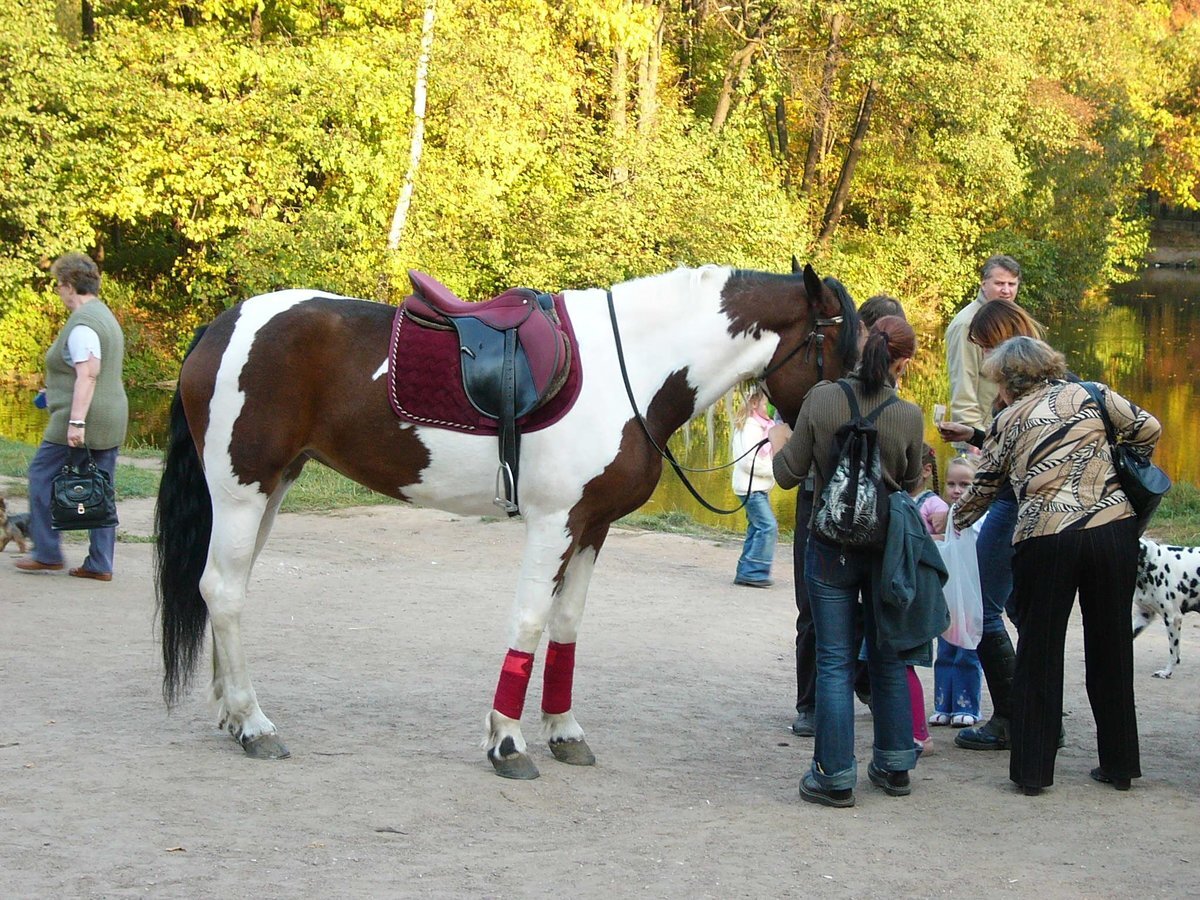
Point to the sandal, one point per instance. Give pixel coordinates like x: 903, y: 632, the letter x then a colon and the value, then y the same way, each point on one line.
x: 939, y: 718
x: 964, y: 720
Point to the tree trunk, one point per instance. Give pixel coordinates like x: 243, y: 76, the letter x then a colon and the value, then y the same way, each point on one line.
x: 256, y: 24
x: 617, y: 115
x: 648, y: 73
x: 418, y: 130
x: 87, y: 20
x: 739, y: 65
x: 769, y: 124
x: 816, y: 144
x: 836, y: 203
x: 781, y: 129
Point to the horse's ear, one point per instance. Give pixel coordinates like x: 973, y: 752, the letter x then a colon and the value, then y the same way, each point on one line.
x: 795, y: 265
x: 819, y: 298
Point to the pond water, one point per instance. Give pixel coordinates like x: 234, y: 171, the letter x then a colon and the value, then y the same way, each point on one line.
x: 1144, y: 342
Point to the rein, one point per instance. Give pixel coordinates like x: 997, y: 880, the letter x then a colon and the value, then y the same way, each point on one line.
x: 665, y: 452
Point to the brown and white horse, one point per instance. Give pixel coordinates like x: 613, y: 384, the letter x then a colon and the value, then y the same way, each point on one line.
x: 299, y: 375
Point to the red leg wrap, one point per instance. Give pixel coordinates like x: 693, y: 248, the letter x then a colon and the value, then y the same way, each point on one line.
x: 559, y: 674
x: 514, y: 681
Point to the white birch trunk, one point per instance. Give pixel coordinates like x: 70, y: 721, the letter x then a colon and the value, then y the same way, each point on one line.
x: 418, y: 131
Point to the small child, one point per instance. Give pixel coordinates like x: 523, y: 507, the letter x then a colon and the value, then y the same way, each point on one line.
x: 753, y: 479
x: 933, y: 513
x: 957, y: 674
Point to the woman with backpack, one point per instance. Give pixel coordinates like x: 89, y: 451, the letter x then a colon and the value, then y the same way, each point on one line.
x: 859, y: 411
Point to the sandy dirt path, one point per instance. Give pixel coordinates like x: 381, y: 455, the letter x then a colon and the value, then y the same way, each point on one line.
x: 375, y: 637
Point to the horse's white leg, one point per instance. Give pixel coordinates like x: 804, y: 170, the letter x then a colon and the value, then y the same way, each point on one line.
x: 558, y: 721
x: 236, y: 534
x: 547, y: 543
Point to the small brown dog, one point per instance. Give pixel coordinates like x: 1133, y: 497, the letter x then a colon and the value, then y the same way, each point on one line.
x: 14, y: 528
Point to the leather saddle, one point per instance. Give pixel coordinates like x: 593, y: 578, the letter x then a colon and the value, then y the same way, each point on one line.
x: 514, y: 354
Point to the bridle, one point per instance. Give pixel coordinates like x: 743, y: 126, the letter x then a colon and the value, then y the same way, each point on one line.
x: 814, y: 336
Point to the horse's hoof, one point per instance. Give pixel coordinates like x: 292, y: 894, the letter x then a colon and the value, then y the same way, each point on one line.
x: 265, y: 746
x: 518, y: 766
x: 573, y: 753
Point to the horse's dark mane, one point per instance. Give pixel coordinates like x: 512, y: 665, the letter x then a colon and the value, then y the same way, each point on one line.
x: 847, y: 343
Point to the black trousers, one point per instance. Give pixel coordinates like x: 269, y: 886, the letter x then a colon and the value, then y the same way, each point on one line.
x: 1101, y: 564
x: 806, y: 633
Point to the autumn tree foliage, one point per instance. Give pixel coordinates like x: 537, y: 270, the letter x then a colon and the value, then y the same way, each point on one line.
x: 212, y: 149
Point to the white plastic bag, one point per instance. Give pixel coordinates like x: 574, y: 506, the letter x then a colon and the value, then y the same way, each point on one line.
x: 964, y: 598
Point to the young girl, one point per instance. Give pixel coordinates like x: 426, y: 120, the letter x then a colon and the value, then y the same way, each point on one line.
x: 762, y: 531
x: 933, y: 513
x: 956, y: 672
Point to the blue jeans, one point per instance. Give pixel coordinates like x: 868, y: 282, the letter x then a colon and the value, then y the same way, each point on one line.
x: 994, y: 550
x: 956, y: 679
x: 835, y: 579
x: 47, y: 462
x: 762, y: 533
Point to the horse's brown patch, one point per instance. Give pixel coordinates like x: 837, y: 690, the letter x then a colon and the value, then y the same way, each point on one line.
x: 628, y: 481
x: 198, y: 375
x: 751, y: 300
x: 309, y: 394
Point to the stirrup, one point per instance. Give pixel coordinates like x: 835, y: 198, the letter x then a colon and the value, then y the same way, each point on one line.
x: 505, y: 488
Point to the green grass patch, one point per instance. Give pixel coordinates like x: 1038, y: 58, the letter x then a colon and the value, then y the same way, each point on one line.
x: 675, y: 523
x: 320, y: 488
x: 132, y: 482
x: 1178, y: 518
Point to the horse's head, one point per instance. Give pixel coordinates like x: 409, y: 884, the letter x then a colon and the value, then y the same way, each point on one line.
x: 818, y: 330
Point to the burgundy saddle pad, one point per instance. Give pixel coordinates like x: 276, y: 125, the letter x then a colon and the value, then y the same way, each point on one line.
x: 425, y: 380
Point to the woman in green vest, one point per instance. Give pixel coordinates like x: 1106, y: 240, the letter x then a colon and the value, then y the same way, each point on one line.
x: 88, y: 408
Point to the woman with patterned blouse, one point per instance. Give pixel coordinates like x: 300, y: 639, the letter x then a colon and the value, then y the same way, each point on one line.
x: 1076, y: 532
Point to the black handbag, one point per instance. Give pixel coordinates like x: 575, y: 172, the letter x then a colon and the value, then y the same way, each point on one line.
x: 82, y: 498
x: 1143, y: 482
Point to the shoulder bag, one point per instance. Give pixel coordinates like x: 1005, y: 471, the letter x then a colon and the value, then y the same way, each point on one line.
x: 1143, y: 482
x: 82, y: 498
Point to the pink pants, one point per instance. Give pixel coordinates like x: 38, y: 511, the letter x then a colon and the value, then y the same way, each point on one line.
x: 916, y: 700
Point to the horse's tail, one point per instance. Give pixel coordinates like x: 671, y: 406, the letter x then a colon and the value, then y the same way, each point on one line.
x: 183, y: 528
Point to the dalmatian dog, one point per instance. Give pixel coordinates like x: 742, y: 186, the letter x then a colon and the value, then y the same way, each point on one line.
x: 1168, y: 585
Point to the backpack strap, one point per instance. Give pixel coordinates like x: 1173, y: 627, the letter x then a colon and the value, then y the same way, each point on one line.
x: 855, y: 412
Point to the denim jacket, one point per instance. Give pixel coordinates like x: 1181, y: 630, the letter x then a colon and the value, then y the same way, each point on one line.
x: 910, y: 608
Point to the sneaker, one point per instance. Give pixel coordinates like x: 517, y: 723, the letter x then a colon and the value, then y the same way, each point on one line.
x: 896, y: 784
x: 992, y: 735
x: 746, y: 582
x: 803, y: 726
x: 811, y: 792
x: 940, y: 718
x: 964, y: 720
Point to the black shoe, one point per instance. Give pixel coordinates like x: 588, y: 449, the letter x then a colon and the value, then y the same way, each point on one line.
x: 992, y: 735
x: 896, y: 784
x: 811, y: 792
x: 1030, y: 790
x: 803, y: 725
x: 1121, y: 784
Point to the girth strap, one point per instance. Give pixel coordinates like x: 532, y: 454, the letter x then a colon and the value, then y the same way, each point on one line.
x: 510, y: 438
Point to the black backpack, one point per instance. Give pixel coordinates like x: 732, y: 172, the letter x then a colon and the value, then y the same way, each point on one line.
x: 854, y: 503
